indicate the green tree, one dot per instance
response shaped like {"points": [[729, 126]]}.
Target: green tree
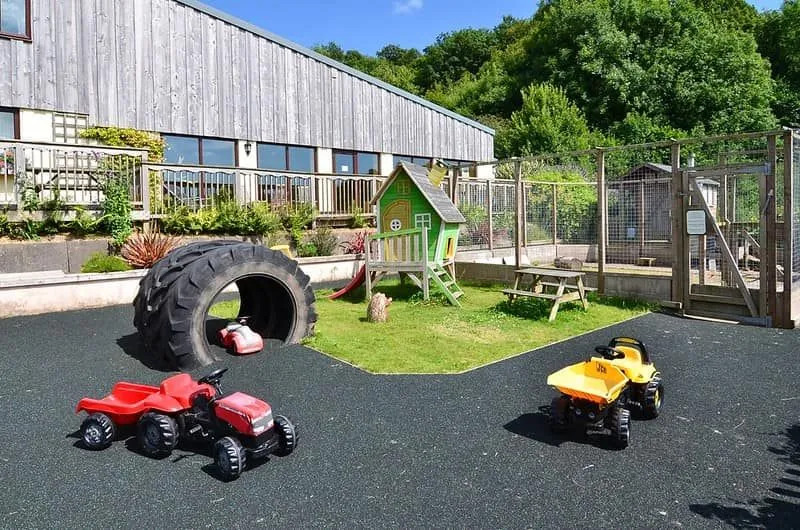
{"points": [[778, 41], [455, 54], [398, 55], [548, 122], [667, 59]]}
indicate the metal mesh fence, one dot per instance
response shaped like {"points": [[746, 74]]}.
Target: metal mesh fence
{"points": [[639, 204], [796, 214]]}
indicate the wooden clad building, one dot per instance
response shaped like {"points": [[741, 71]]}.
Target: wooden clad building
{"points": [[184, 69]]}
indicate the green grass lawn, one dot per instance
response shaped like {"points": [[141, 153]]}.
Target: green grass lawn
{"points": [[431, 337]]}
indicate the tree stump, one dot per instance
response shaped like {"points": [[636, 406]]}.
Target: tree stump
{"points": [[378, 308]]}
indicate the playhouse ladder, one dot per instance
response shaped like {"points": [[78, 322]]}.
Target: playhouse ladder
{"points": [[446, 283]]}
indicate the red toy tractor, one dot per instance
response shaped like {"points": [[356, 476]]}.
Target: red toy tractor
{"points": [[238, 337], [241, 426]]}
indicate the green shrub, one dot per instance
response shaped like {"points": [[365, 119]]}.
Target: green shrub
{"points": [[263, 220], [83, 223], [358, 220], [5, 226], [324, 241], [102, 262], [180, 221], [295, 219], [307, 250]]}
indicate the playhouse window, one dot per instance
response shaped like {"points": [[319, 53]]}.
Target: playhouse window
{"points": [[403, 187], [422, 220]]}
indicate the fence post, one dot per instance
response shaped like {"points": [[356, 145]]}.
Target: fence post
{"points": [[769, 260], [788, 225], [490, 209], [518, 220], [602, 227], [679, 195], [555, 218], [144, 178]]}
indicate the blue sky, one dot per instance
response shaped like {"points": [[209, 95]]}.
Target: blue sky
{"points": [[368, 25]]}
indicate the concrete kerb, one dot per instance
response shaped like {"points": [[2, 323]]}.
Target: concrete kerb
{"points": [[55, 291]]}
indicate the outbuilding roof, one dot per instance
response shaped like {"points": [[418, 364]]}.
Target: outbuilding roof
{"points": [[433, 194], [252, 28]]}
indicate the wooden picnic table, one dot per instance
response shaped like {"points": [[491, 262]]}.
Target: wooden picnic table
{"points": [[538, 287]]}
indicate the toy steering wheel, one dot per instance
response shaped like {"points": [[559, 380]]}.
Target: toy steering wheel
{"points": [[610, 353], [213, 379]]}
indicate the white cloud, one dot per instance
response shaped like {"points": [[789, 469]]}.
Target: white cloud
{"points": [[407, 6]]}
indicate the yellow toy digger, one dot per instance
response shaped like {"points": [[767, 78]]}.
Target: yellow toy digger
{"points": [[601, 393]]}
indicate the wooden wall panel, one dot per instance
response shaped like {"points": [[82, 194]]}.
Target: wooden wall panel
{"points": [[170, 67]]}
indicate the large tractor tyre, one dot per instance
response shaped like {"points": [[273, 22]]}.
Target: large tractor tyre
{"points": [[230, 457], [97, 431], [287, 435], [653, 398], [620, 425], [559, 414], [157, 434], [275, 295], [154, 287]]}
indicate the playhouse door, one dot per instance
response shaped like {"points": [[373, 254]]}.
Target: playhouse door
{"points": [[396, 216]]}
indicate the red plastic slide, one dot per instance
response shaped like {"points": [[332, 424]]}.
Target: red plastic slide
{"points": [[357, 280]]}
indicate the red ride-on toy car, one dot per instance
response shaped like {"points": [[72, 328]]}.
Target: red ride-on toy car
{"points": [[241, 426], [238, 337]]}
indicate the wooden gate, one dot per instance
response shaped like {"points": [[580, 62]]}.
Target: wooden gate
{"points": [[726, 256]]}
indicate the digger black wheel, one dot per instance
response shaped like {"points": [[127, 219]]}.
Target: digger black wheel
{"points": [[653, 398]]}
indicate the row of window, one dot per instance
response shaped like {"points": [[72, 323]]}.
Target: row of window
{"points": [[15, 18], [276, 157], [191, 150]]}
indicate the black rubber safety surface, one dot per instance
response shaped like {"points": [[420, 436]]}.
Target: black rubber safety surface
{"points": [[470, 450]]}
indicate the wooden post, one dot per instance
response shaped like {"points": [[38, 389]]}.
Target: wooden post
{"points": [[518, 204], [555, 218], [602, 226], [368, 273], [678, 232], [454, 185], [524, 216], [725, 273], [640, 221], [769, 248], [490, 209], [788, 226]]}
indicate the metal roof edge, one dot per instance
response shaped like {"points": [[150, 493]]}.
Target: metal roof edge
{"points": [[252, 28]]}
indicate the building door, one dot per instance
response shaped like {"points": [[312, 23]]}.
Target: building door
{"points": [[397, 216]]}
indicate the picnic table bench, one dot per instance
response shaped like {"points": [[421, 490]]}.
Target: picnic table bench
{"points": [[560, 290]]}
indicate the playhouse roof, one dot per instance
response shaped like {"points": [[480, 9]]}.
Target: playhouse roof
{"points": [[434, 194]]}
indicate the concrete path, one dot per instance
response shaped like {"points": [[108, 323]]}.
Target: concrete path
{"points": [[461, 451]]}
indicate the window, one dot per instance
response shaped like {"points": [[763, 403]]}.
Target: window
{"points": [[15, 18], [354, 163], [67, 127], [286, 157], [422, 220], [419, 160], [403, 187], [190, 150], [9, 126]]}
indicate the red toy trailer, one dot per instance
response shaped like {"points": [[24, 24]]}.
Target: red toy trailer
{"points": [[240, 425]]}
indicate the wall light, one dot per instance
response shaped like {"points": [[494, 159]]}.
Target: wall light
{"points": [[248, 148]]}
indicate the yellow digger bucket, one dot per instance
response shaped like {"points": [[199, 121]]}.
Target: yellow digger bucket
{"points": [[596, 380]]}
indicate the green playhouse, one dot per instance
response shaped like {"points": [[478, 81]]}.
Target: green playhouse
{"points": [[418, 228]]}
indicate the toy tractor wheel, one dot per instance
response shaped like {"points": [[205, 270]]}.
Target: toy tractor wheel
{"points": [[157, 434], [287, 434], [97, 431], [559, 410], [619, 422], [653, 397], [230, 458]]}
